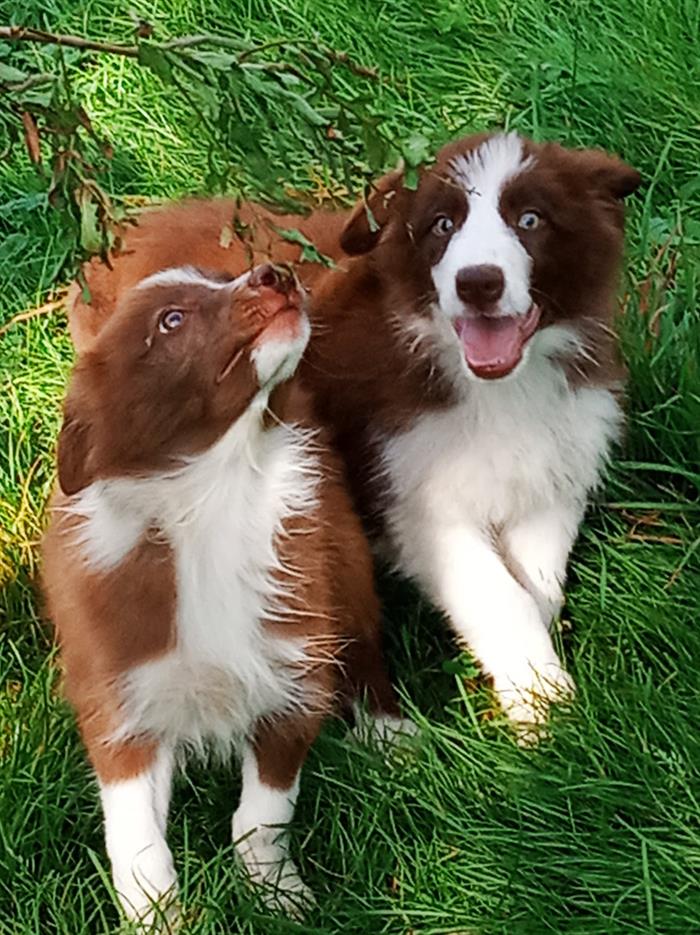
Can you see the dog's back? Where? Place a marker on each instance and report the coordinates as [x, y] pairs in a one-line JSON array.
[[213, 234]]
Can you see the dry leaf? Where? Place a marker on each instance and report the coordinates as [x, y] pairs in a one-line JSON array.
[[31, 137]]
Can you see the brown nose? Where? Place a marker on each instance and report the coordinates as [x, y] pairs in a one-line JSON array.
[[279, 278], [481, 286]]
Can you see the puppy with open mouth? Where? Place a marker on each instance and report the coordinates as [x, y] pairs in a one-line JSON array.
[[467, 363], [208, 579]]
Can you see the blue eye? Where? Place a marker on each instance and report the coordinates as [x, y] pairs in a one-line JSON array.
[[442, 225], [529, 220], [170, 320]]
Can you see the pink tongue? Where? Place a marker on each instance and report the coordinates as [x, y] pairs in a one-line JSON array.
[[492, 346]]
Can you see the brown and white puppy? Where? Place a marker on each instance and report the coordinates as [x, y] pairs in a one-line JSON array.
[[467, 364], [208, 579]]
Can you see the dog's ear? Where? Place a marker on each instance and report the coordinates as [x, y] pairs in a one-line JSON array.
[[609, 175], [76, 455], [369, 217]]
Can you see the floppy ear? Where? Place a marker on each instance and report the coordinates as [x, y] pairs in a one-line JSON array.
[[610, 175], [369, 217], [76, 468]]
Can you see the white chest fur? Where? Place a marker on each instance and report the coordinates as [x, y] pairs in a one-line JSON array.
[[509, 448], [220, 514]]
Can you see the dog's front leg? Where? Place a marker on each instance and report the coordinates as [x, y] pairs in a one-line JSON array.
[[499, 620], [538, 546], [135, 813], [272, 764]]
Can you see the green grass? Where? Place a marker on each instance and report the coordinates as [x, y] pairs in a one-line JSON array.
[[597, 831]]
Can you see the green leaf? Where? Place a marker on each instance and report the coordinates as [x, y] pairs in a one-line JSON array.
[[37, 98], [687, 190], [309, 252], [222, 61], [154, 58], [207, 98], [288, 79], [303, 107], [462, 665], [10, 75], [659, 229], [90, 236], [411, 177], [255, 82], [416, 150], [691, 231], [376, 148]]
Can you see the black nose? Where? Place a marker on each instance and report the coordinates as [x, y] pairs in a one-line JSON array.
[[279, 278], [481, 286]]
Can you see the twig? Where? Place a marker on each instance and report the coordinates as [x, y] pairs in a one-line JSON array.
[[25, 33], [46, 309], [30, 82], [186, 42], [264, 46], [342, 58], [659, 540]]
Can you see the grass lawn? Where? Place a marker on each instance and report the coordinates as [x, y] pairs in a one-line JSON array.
[[598, 830]]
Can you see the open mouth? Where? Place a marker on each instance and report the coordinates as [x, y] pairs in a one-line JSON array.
[[493, 346]]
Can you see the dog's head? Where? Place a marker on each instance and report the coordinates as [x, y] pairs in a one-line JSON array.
[[502, 240], [183, 357]]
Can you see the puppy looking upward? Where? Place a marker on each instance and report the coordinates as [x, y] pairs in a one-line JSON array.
[[208, 579]]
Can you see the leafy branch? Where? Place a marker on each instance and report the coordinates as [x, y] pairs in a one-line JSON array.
[[238, 93], [144, 31]]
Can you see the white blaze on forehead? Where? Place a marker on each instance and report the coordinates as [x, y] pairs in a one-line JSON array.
[[485, 170], [485, 238], [189, 276], [275, 359]]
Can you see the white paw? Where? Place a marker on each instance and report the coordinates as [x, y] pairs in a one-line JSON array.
[[382, 730], [147, 890], [280, 886], [286, 892], [265, 855], [525, 696]]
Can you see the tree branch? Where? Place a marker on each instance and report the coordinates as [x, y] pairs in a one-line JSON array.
[[28, 34], [46, 309]]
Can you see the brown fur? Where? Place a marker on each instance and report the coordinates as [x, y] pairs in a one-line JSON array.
[[198, 233], [366, 381], [137, 399]]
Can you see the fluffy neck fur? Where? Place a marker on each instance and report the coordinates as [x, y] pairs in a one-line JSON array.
[[221, 516]]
